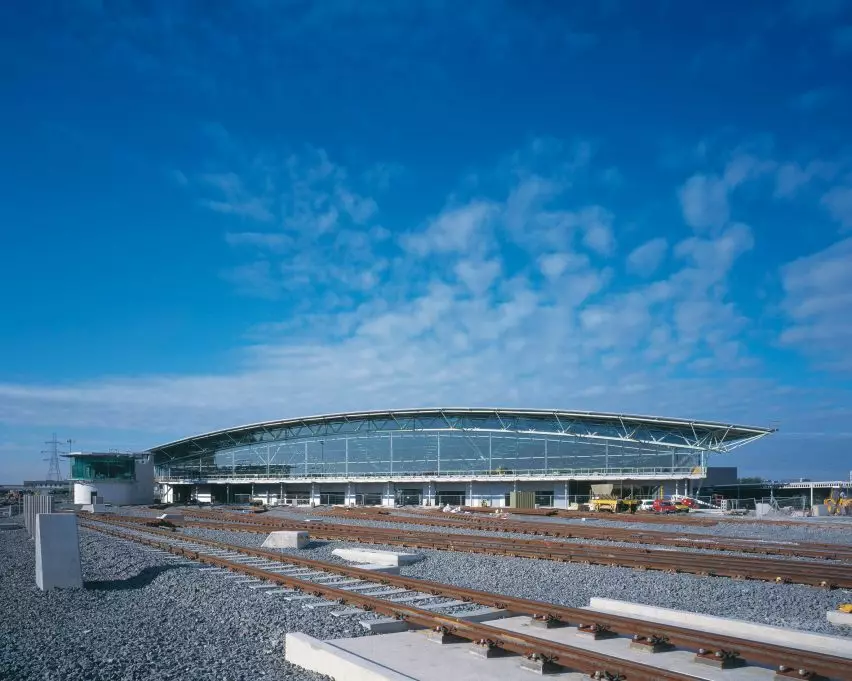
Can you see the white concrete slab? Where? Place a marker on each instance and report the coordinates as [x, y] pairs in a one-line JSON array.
[[405, 653], [325, 658], [384, 569], [403, 657], [803, 640], [286, 539], [170, 516], [839, 619], [377, 557], [681, 661], [57, 552]]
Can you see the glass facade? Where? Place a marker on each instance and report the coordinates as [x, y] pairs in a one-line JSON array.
[[440, 454], [102, 468], [436, 443]]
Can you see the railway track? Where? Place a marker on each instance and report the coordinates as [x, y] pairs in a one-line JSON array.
[[656, 518], [652, 537], [309, 580], [820, 574]]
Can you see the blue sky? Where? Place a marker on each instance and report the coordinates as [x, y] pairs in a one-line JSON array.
[[217, 213]]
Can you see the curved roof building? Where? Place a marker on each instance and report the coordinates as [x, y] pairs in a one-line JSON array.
[[442, 445]]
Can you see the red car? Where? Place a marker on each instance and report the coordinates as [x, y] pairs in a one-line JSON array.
[[663, 506], [686, 501]]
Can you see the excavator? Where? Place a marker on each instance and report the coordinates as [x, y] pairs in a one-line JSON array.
[[838, 503]]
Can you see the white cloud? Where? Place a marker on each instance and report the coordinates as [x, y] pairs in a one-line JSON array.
[[645, 259], [497, 299], [818, 304], [838, 201], [234, 198], [553, 265], [596, 223], [704, 202], [478, 275], [791, 176], [455, 230]]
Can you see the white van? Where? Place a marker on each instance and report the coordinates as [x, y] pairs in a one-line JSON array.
[[646, 505]]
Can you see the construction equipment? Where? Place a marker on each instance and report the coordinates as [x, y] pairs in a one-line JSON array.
[[604, 499], [838, 503]]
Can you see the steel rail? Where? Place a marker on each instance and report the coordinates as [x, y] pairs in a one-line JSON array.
[[685, 518], [661, 518], [789, 662], [820, 574], [597, 665], [655, 537]]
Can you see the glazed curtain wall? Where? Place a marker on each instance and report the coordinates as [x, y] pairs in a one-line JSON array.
[[385, 453]]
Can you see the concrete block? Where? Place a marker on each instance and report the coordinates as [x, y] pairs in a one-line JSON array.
[[482, 614], [377, 557], [170, 516], [95, 508], [57, 552], [819, 510], [285, 539], [386, 625], [346, 612], [839, 619], [325, 658], [384, 569], [764, 633]]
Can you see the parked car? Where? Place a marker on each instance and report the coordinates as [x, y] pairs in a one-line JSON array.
[[646, 505], [663, 506]]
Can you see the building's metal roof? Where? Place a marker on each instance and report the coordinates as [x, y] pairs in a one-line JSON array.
[[648, 430], [102, 455]]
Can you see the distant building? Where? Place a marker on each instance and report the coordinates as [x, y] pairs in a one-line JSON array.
[[45, 485], [112, 478]]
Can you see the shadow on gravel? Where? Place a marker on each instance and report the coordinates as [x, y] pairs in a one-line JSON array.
[[144, 578]]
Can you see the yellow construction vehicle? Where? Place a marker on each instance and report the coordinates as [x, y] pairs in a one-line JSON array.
[[603, 499], [838, 503]]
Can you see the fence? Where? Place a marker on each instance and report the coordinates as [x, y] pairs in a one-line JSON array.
[[33, 505]]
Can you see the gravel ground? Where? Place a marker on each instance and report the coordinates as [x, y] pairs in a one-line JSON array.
[[142, 618], [573, 584]]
